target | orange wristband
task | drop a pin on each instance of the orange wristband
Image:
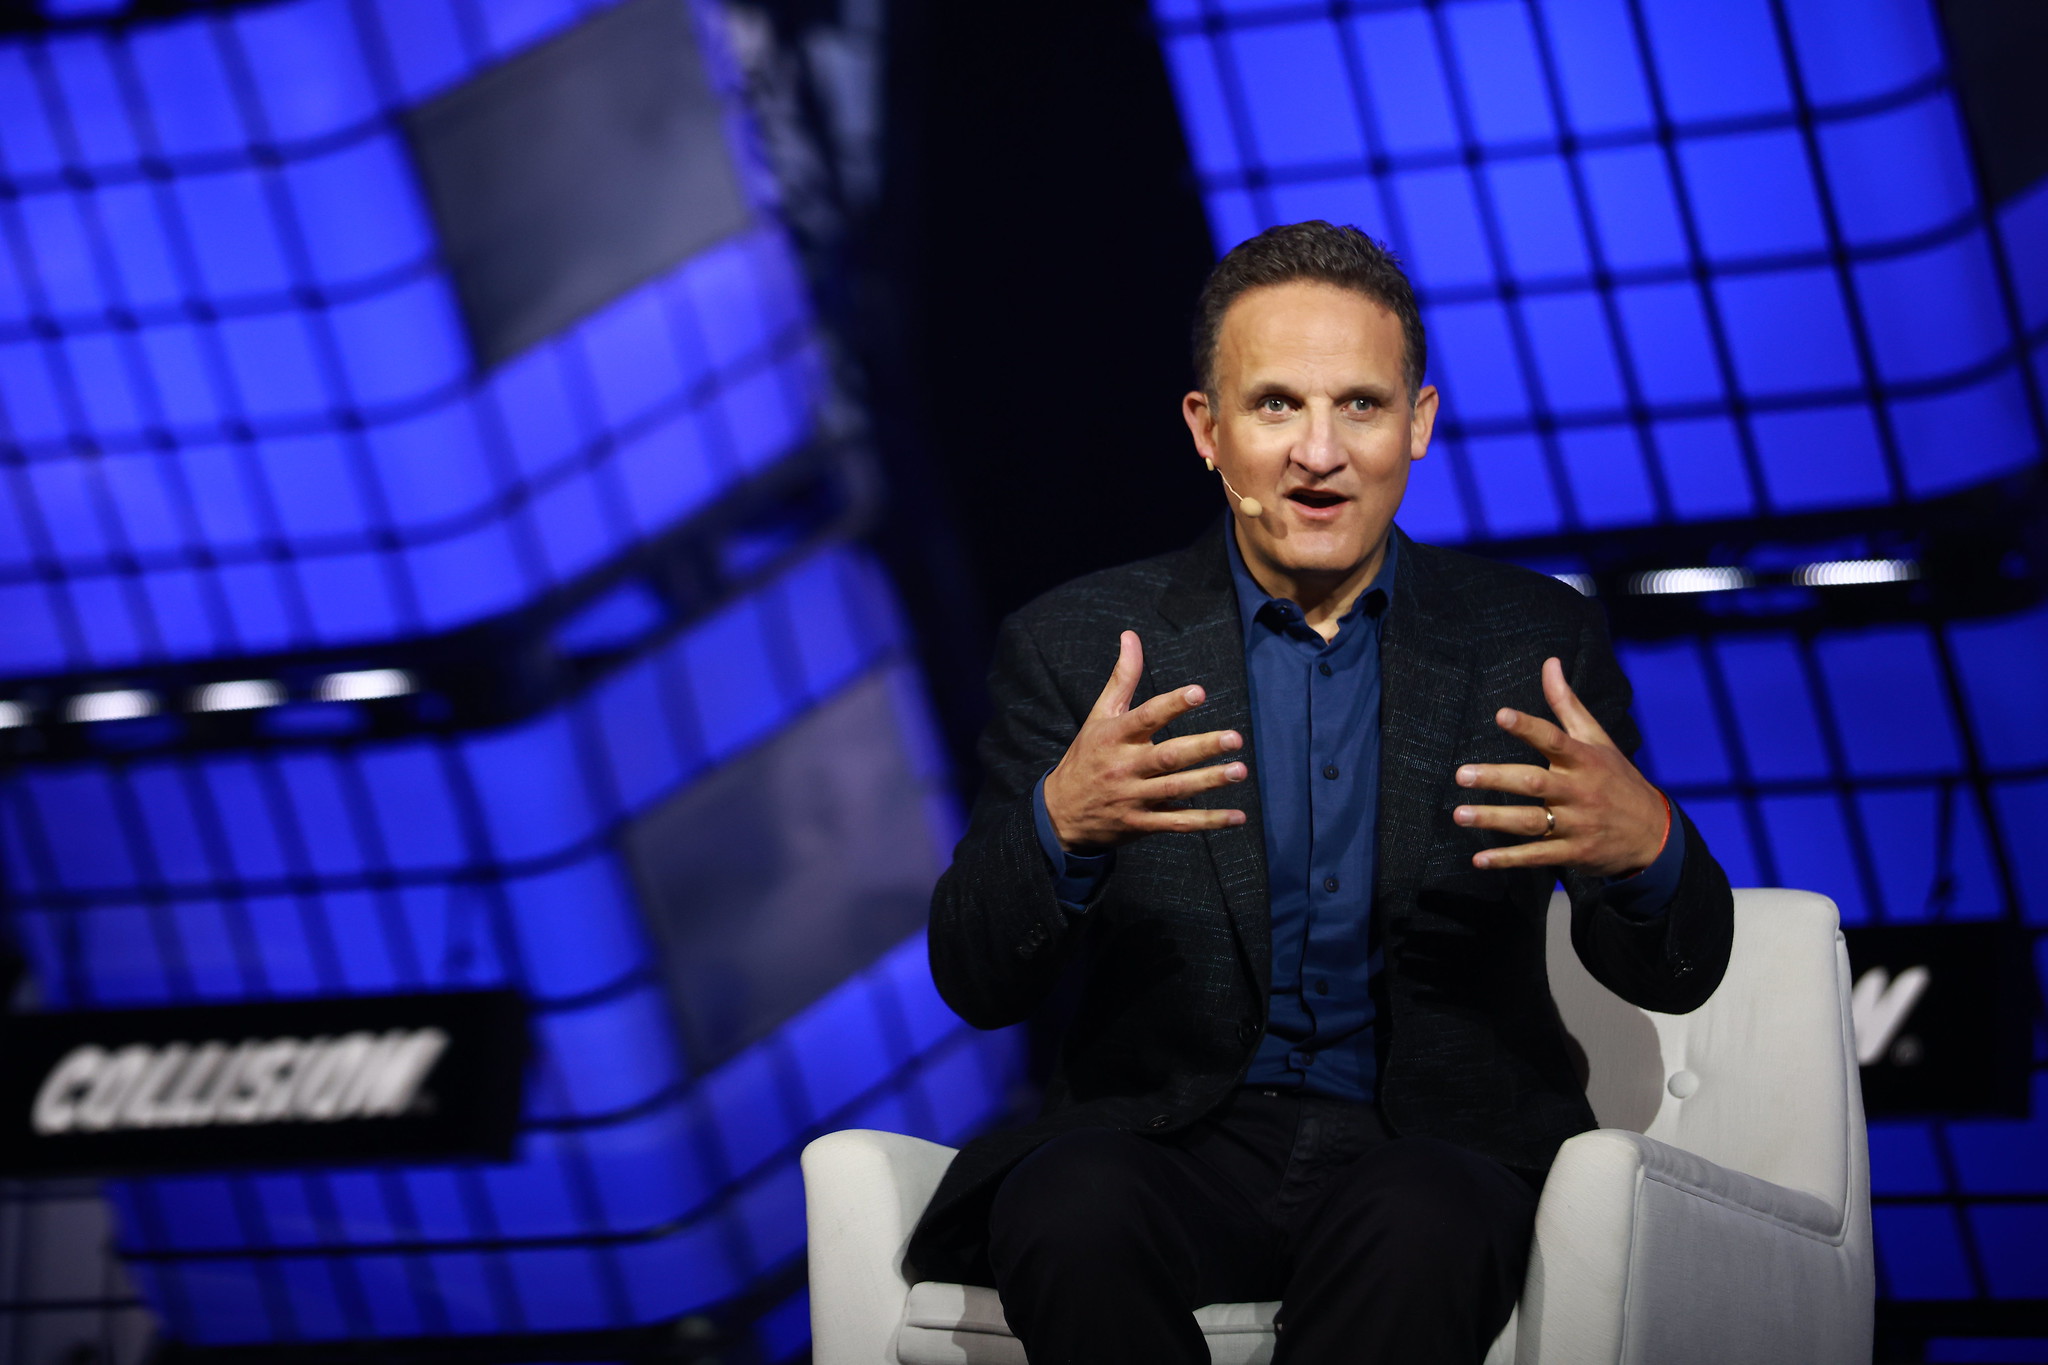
(1661, 843)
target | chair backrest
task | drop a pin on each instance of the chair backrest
(1762, 1078)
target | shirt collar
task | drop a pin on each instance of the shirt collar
(1253, 599)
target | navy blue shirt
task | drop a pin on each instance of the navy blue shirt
(1316, 716)
(1315, 708)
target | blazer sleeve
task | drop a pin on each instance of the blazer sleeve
(1673, 961)
(998, 935)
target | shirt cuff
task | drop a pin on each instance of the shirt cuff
(1649, 893)
(1075, 877)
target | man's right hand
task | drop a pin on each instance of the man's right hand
(1115, 785)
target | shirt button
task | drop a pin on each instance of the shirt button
(1323, 669)
(1303, 1060)
(1330, 771)
(1329, 883)
(1322, 988)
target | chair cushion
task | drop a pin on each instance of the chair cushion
(975, 1308)
(963, 1324)
(955, 1308)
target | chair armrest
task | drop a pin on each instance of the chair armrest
(1611, 1153)
(864, 1191)
(1647, 1253)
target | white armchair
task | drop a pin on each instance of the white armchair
(1721, 1214)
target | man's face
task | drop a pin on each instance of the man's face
(1311, 416)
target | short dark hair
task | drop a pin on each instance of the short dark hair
(1314, 250)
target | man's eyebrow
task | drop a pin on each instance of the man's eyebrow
(1258, 390)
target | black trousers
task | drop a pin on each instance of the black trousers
(1380, 1249)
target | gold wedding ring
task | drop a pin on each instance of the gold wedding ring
(1549, 823)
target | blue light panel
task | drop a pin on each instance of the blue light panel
(237, 415)
(232, 373)
(1626, 218)
(484, 860)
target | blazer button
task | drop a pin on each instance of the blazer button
(1247, 1031)
(1159, 1120)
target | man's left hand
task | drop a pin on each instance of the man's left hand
(1608, 819)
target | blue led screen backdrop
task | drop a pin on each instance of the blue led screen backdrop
(496, 859)
(223, 280)
(272, 386)
(1679, 262)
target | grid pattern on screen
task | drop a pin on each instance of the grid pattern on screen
(1678, 262)
(237, 416)
(1903, 771)
(237, 410)
(641, 1191)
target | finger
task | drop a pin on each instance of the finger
(1184, 821)
(1176, 786)
(1535, 853)
(1566, 706)
(1174, 754)
(1161, 711)
(1123, 679)
(1529, 822)
(1534, 731)
(1523, 779)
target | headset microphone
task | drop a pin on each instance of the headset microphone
(1251, 507)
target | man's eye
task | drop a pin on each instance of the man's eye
(1362, 405)
(1273, 405)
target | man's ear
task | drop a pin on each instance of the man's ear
(1201, 420)
(1421, 421)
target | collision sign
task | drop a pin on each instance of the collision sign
(315, 1081)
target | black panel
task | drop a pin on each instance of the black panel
(576, 171)
(1997, 48)
(1943, 1015)
(772, 879)
(1049, 244)
(27, 16)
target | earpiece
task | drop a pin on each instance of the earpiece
(1251, 507)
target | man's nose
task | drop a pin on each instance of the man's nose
(1319, 450)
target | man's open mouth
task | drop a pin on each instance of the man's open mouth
(1317, 498)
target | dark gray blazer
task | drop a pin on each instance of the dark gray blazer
(1174, 954)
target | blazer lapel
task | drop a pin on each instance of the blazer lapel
(1204, 643)
(1426, 679)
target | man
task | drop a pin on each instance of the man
(1304, 884)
